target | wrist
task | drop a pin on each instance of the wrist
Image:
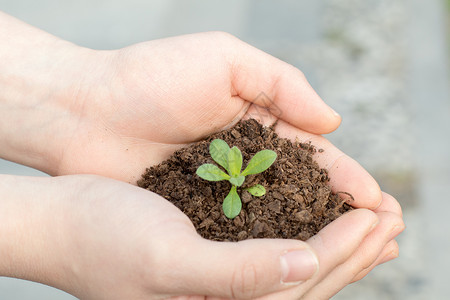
(32, 230)
(41, 93)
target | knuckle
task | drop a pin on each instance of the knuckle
(297, 71)
(245, 282)
(226, 41)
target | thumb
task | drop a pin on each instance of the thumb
(245, 269)
(274, 84)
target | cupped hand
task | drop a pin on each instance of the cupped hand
(131, 108)
(98, 238)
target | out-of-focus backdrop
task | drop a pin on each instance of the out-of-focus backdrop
(382, 64)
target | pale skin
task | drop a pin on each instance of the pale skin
(68, 110)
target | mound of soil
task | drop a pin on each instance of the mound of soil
(297, 204)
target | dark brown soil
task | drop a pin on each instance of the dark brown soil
(298, 202)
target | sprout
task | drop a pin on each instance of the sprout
(231, 160)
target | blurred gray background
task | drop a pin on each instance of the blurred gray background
(382, 64)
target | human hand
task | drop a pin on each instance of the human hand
(97, 238)
(186, 110)
(115, 112)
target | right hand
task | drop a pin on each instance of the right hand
(97, 238)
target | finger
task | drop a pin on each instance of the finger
(346, 175)
(269, 82)
(334, 244)
(242, 270)
(365, 255)
(389, 204)
(389, 253)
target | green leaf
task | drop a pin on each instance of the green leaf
(219, 152)
(234, 161)
(232, 204)
(237, 181)
(212, 173)
(257, 190)
(260, 162)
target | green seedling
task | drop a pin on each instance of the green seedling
(231, 160)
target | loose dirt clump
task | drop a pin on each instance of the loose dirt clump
(298, 202)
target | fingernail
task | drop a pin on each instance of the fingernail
(335, 112)
(390, 256)
(298, 266)
(396, 230)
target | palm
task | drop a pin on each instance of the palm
(154, 107)
(143, 244)
(119, 227)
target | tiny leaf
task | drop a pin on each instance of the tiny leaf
(234, 161)
(212, 173)
(237, 181)
(257, 190)
(260, 162)
(219, 152)
(232, 204)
